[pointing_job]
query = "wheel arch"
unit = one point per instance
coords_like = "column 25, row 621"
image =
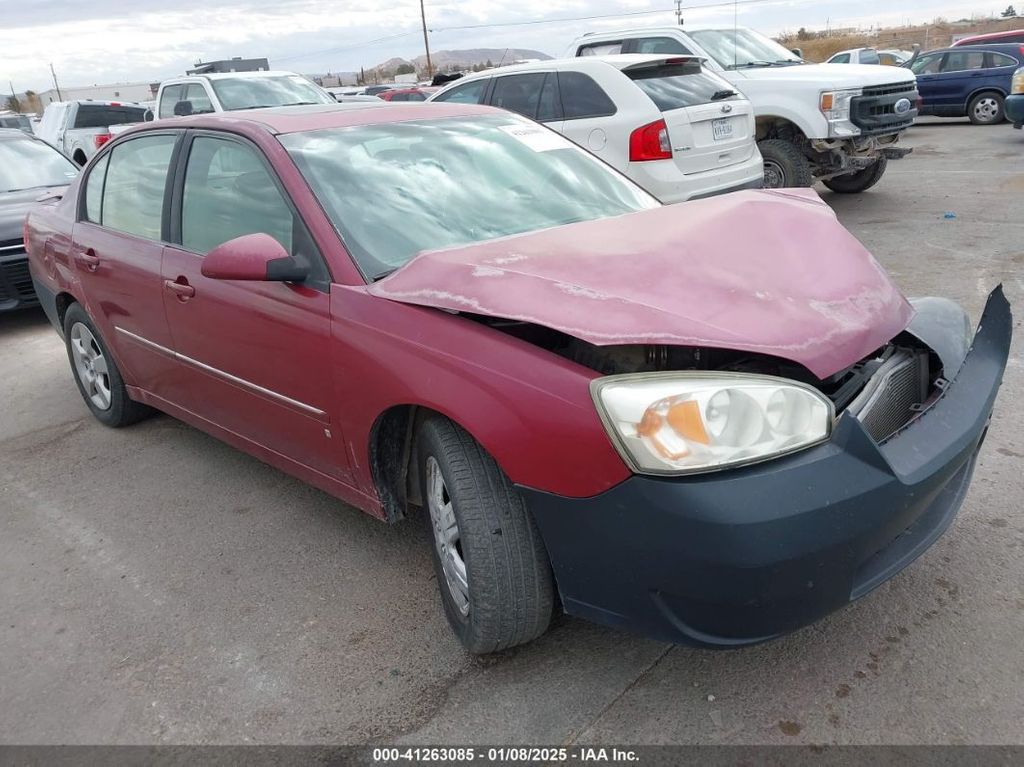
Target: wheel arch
column 778, row 127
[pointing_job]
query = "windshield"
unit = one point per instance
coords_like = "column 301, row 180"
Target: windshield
column 395, row 189
column 29, row 164
column 735, row 49
column 255, row 92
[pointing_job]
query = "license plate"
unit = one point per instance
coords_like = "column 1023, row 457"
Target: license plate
column 721, row 129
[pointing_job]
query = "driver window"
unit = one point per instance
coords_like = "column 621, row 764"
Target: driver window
column 926, row 65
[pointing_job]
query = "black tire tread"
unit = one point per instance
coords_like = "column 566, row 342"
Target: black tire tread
column 861, row 181
column 511, row 585
column 796, row 167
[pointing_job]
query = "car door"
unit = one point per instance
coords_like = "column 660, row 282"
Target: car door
column 116, row 252
column 256, row 353
column 926, row 68
column 962, row 72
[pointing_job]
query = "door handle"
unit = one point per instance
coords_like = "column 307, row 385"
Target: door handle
column 88, row 259
column 180, row 288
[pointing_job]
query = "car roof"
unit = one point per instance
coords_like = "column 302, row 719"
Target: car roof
column 235, row 75
column 1014, row 49
column 282, row 120
column 617, row 61
column 12, row 134
column 993, row 36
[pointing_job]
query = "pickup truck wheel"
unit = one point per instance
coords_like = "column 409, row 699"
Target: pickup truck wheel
column 784, row 165
column 98, row 378
column 986, row 109
column 491, row 565
column 851, row 183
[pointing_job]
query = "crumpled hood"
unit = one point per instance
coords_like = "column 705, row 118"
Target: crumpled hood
column 771, row 272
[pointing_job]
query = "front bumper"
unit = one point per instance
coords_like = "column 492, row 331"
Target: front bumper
column 16, row 291
column 746, row 555
column 1015, row 110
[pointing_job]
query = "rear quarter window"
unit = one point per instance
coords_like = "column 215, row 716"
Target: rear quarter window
column 1002, row 60
column 102, row 115
column 676, row 86
column 582, row 97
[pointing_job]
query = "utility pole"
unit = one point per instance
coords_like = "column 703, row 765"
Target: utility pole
column 426, row 42
column 14, row 98
column 59, row 98
column 679, row 12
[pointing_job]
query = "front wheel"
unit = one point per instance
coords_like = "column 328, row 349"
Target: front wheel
column 852, row 183
column 784, row 165
column 491, row 565
column 986, row 109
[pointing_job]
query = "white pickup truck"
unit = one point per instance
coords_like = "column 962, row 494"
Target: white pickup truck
column 79, row 128
column 835, row 123
column 231, row 91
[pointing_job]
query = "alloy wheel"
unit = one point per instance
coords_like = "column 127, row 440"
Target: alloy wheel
column 90, row 366
column 446, row 536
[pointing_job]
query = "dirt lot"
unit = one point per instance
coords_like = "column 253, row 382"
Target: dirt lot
column 158, row 586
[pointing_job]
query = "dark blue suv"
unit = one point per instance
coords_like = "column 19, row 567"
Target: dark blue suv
column 968, row 80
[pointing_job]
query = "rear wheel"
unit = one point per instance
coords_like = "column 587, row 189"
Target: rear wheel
column 862, row 180
column 986, row 109
column 96, row 374
column 491, row 565
column 784, row 165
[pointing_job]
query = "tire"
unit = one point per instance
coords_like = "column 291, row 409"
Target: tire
column 96, row 374
column 784, row 165
column 987, row 108
column 862, row 180
column 506, row 596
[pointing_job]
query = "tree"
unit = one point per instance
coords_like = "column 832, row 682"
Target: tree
column 13, row 104
column 489, row 65
column 1009, row 13
column 803, row 34
column 405, row 69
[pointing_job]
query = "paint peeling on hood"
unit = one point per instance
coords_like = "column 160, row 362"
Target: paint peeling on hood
column 771, row 272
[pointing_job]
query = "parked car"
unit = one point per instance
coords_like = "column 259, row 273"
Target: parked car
column 79, row 128
column 29, row 167
column 1015, row 101
column 682, row 418
column 376, row 90
column 15, row 120
column 233, row 91
column 890, row 58
column 1006, row 36
column 821, row 122
column 403, row 94
column 676, row 129
column 970, row 81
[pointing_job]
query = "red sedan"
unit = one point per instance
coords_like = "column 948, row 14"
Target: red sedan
column 403, row 94
column 712, row 422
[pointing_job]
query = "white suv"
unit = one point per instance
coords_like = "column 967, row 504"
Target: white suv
column 674, row 128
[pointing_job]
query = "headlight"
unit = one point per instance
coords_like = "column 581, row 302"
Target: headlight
column 1017, row 84
column 682, row 423
column 835, row 105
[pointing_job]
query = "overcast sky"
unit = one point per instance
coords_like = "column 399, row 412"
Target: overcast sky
column 106, row 41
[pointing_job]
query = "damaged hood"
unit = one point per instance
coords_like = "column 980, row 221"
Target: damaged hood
column 771, row 272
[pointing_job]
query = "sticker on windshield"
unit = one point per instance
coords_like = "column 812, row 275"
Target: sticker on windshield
column 537, row 138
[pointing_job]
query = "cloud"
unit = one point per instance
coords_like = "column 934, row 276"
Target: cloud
column 102, row 42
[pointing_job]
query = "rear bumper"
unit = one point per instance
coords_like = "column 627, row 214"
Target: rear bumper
column 742, row 556
column 670, row 185
column 16, row 291
column 1015, row 110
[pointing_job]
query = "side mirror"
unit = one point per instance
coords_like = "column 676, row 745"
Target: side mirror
column 255, row 258
column 798, row 52
column 148, row 116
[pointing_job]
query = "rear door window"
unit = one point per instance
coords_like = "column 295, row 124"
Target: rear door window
column 674, row 86
column 582, row 97
column 962, row 61
column 197, row 96
column 102, row 115
column 550, row 106
column 133, row 195
column 468, row 93
column 658, row 45
column 869, row 57
column 600, row 49
column 518, row 93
